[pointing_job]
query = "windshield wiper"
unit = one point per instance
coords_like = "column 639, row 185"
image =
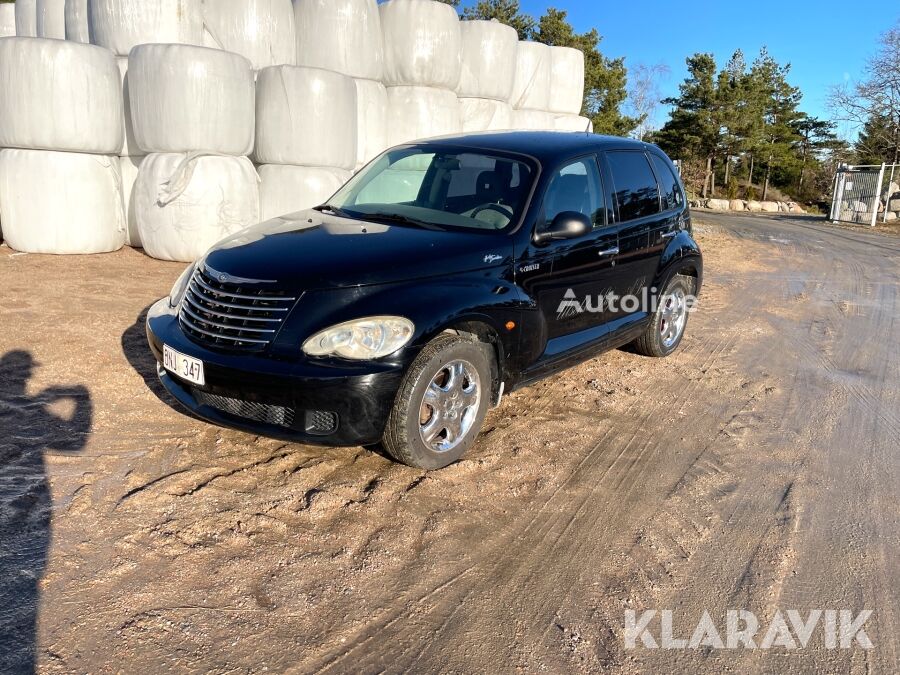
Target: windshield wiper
column 401, row 219
column 328, row 208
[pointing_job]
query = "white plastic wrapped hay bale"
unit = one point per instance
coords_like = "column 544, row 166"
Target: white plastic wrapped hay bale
column 482, row 114
column 77, row 21
column 422, row 44
column 128, row 167
column 305, row 116
column 488, row 60
column 186, row 98
column 129, row 147
column 572, row 123
column 120, row 25
column 26, row 18
column 371, row 120
column 533, row 120
column 421, row 112
column 531, row 83
column 59, row 95
column 340, row 35
column 286, row 189
column 566, row 80
column 7, row 20
column 260, row 30
column 185, row 203
column 51, row 19
column 61, row 202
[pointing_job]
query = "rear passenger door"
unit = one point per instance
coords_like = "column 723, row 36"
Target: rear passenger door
column 672, row 203
column 639, row 219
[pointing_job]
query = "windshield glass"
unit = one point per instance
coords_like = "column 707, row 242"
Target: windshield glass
column 439, row 188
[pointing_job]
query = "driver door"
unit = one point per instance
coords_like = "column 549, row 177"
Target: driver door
column 569, row 277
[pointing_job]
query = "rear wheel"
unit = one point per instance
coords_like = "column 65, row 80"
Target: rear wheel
column 666, row 328
column 441, row 404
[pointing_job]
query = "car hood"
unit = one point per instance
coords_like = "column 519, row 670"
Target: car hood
column 311, row 250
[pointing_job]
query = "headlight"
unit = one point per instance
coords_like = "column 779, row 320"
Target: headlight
column 181, row 285
column 369, row 338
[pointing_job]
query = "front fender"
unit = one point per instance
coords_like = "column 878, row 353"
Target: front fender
column 433, row 305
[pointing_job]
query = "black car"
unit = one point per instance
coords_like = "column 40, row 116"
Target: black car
column 441, row 275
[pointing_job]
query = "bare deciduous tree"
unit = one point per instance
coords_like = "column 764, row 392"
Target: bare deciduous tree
column 644, row 96
column 874, row 102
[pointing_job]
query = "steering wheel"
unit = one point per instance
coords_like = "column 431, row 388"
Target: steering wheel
column 504, row 211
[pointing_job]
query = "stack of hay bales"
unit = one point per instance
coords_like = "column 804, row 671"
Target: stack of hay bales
column 307, row 119
column 77, row 29
column 311, row 89
column 193, row 111
column 120, row 25
column 51, row 19
column 26, row 18
column 486, row 79
column 7, row 20
column 548, row 88
column 345, row 36
column 422, row 69
column 259, row 30
column 305, row 136
column 60, row 127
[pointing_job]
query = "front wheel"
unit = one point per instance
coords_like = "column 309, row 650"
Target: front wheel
column 666, row 328
column 441, row 404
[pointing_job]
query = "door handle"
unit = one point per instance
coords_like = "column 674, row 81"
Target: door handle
column 610, row 251
column 668, row 235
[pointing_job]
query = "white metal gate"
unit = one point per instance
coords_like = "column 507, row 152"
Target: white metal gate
column 866, row 194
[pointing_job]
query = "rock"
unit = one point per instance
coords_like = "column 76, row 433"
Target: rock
column 737, row 205
column 890, row 216
column 717, row 204
column 894, row 204
column 769, row 207
column 754, row 206
column 794, row 207
column 782, row 207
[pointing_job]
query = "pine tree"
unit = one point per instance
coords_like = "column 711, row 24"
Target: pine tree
column 504, row 11
column 692, row 130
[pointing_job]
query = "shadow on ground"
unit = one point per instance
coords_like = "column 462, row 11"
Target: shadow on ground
column 56, row 419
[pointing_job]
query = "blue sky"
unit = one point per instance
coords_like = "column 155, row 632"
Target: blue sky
column 825, row 41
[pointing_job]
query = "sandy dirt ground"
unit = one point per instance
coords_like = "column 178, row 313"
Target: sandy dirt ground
column 758, row 469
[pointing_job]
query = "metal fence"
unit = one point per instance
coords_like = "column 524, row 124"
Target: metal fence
column 866, row 194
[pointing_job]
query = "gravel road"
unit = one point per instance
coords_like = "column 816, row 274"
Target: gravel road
column 757, row 469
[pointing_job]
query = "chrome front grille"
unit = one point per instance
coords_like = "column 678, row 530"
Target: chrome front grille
column 233, row 315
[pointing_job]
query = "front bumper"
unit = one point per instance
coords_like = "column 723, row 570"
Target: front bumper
column 324, row 404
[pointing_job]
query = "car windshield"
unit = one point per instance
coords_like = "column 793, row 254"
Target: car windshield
column 438, row 188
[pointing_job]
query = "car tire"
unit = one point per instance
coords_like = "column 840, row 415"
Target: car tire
column 668, row 323
column 442, row 403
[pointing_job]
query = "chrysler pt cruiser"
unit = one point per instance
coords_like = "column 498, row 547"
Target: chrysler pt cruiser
column 443, row 274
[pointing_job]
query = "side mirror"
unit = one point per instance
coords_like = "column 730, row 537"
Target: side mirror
column 566, row 225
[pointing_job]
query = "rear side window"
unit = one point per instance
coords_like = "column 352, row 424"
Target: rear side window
column 671, row 192
column 635, row 184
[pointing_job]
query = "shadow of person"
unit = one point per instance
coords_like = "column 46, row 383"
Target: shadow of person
column 28, row 429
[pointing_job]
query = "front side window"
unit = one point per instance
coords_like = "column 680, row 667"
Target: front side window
column 671, row 191
column 576, row 187
column 440, row 188
column 635, row 185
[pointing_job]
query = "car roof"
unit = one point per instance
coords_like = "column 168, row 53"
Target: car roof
column 547, row 147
